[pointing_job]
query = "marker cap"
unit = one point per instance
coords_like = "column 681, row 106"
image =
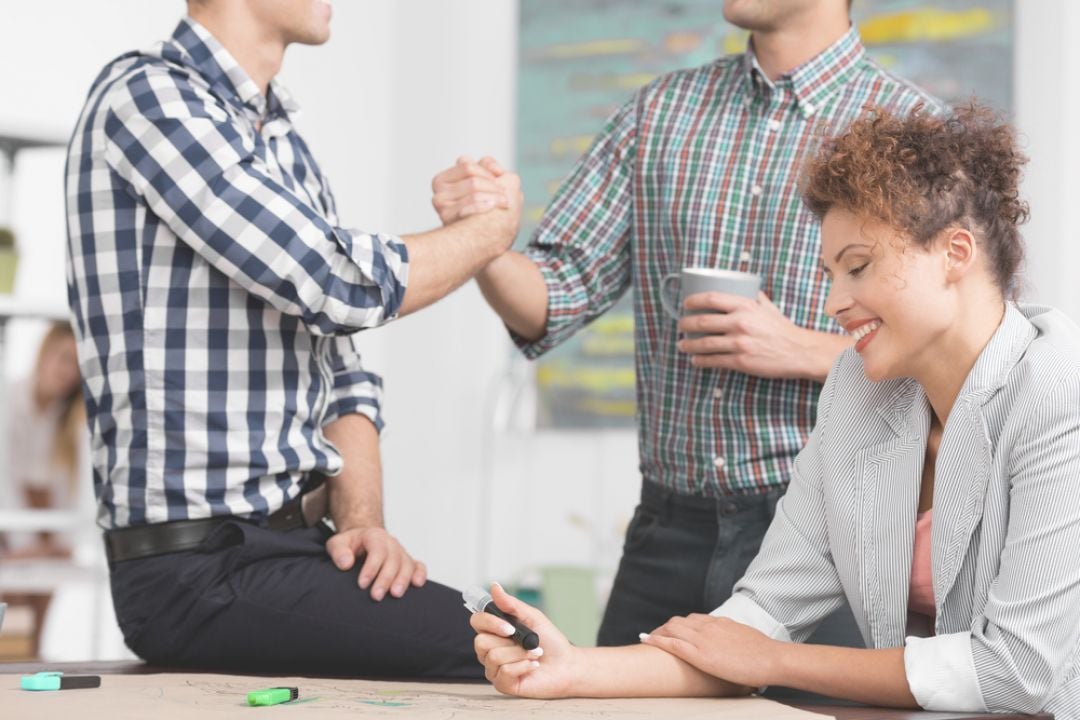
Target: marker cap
column 273, row 696
column 55, row 680
column 476, row 598
column 41, row 681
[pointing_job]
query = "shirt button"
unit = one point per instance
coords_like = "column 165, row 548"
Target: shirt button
column 718, row 394
column 809, row 108
column 745, row 256
column 719, row 462
column 756, row 190
column 774, row 125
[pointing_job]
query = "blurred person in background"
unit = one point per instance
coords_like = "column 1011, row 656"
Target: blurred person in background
column 46, row 443
column 46, row 428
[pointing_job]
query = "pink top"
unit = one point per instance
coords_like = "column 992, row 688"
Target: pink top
column 921, row 592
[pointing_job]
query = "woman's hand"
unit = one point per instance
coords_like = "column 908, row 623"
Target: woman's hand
column 720, row 647
column 546, row 672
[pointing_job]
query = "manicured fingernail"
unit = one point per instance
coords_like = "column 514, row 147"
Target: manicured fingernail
column 398, row 590
column 537, row 652
column 377, row 595
column 342, row 560
column 643, row 636
column 508, row 629
column 364, row 581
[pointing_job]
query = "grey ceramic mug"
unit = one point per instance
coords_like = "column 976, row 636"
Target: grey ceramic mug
column 676, row 287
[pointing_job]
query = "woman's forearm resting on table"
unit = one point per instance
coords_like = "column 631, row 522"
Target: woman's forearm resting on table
column 873, row 677
column 643, row 671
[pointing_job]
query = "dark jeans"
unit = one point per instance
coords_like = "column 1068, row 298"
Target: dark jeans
column 256, row 600
column 684, row 554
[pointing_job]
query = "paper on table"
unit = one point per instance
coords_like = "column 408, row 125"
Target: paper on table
column 168, row 696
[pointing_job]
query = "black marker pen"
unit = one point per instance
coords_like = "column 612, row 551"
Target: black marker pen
column 478, row 600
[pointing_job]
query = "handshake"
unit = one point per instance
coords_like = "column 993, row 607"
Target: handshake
column 483, row 194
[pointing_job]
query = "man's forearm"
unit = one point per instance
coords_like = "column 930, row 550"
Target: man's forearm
column 356, row 493
column 442, row 260
column 822, row 351
column 514, row 287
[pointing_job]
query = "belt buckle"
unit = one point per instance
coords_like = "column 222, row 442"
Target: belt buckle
column 288, row 517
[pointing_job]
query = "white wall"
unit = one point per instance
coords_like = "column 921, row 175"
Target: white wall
column 474, row 501
column 404, row 87
column 1048, row 114
column 46, row 67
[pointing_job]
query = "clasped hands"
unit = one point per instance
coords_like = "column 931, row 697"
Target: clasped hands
column 472, row 188
column 483, row 191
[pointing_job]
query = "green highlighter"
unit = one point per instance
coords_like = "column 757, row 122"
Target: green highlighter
column 273, row 696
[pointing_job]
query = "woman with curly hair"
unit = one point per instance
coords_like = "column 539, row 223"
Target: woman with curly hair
column 938, row 493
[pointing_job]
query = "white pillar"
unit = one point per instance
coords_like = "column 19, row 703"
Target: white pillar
column 1047, row 99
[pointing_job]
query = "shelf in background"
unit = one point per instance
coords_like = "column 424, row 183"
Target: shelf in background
column 13, row 306
column 21, row 136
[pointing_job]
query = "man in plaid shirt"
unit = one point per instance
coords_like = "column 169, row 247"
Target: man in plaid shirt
column 214, row 294
column 700, row 169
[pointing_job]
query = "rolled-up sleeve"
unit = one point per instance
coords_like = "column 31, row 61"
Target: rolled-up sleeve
column 740, row 608
column 1019, row 648
column 178, row 147
column 355, row 390
column 582, row 244
column 941, row 673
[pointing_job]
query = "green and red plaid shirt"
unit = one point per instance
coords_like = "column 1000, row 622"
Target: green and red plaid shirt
column 701, row 168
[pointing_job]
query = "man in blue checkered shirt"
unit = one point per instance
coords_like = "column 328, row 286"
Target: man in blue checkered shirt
column 214, row 293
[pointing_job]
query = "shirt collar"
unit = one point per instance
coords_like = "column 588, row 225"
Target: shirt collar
column 202, row 51
column 817, row 78
column 1006, row 347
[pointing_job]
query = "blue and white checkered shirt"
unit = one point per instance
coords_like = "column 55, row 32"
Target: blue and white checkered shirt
column 213, row 292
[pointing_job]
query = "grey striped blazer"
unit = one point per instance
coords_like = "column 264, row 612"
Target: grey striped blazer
column 1006, row 530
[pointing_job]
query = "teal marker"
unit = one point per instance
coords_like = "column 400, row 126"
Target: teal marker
column 45, row 681
column 273, row 696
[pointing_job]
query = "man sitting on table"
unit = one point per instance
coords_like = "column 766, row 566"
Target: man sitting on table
column 214, row 292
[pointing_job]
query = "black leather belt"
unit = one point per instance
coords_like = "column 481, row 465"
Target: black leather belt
column 141, row 541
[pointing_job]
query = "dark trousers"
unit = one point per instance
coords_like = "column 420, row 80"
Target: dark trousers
column 256, row 600
column 684, row 555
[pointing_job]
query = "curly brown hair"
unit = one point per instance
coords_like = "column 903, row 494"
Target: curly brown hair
column 922, row 174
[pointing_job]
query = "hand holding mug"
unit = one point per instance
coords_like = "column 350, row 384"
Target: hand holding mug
column 728, row 324
column 726, row 286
